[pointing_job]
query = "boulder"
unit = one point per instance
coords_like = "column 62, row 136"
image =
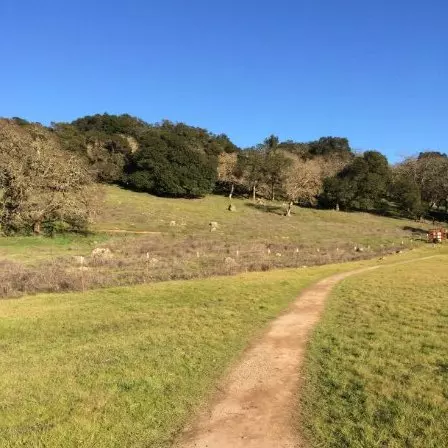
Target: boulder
column 229, row 261
column 213, row 226
column 102, row 253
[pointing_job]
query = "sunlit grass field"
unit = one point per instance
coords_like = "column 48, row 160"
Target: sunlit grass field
column 129, row 366
column 123, row 209
column 126, row 367
column 377, row 365
column 126, row 210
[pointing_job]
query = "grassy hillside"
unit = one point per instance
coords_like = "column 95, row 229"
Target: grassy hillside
column 377, row 370
column 123, row 209
column 175, row 242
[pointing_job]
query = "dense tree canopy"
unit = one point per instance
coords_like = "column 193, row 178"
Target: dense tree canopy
column 360, row 185
column 166, row 165
column 421, row 183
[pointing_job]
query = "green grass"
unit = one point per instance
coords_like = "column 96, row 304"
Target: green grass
column 33, row 248
column 127, row 366
column 124, row 209
column 377, row 365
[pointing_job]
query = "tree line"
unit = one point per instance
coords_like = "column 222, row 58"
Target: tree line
column 48, row 175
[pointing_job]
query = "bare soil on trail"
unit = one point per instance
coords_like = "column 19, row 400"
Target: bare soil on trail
column 133, row 232
column 256, row 406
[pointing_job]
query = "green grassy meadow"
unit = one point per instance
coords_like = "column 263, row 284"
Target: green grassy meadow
column 123, row 209
column 377, row 365
column 127, row 366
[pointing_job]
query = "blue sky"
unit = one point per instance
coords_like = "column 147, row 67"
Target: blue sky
column 373, row 71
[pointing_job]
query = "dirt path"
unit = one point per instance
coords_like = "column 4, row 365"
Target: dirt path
column 134, row 232
column 257, row 401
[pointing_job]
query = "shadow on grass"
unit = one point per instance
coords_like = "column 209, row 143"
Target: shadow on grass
column 415, row 230
column 276, row 209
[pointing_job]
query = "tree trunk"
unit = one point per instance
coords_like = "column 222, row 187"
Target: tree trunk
column 288, row 212
column 232, row 189
column 273, row 192
column 36, row 228
column 254, row 196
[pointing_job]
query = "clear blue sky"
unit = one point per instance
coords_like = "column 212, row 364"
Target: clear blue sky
column 374, row 71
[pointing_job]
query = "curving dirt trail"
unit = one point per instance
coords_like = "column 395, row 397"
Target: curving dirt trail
column 257, row 401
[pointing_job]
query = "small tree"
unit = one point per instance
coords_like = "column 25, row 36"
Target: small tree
column 274, row 170
column 429, row 171
column 302, row 183
column 228, row 171
column 407, row 195
column 42, row 185
column 250, row 165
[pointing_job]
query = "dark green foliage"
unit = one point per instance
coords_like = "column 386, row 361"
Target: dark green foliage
column 105, row 153
column 174, row 159
column 197, row 138
column 361, row 185
column 111, row 124
column 337, row 192
column 264, row 164
column 325, row 147
column 274, row 169
column 271, row 143
column 165, row 165
column 299, row 149
column 407, row 195
column 169, row 159
column 21, row 121
column 431, row 154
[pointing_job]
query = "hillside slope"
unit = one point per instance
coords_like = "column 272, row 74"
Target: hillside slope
column 176, row 242
column 134, row 211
